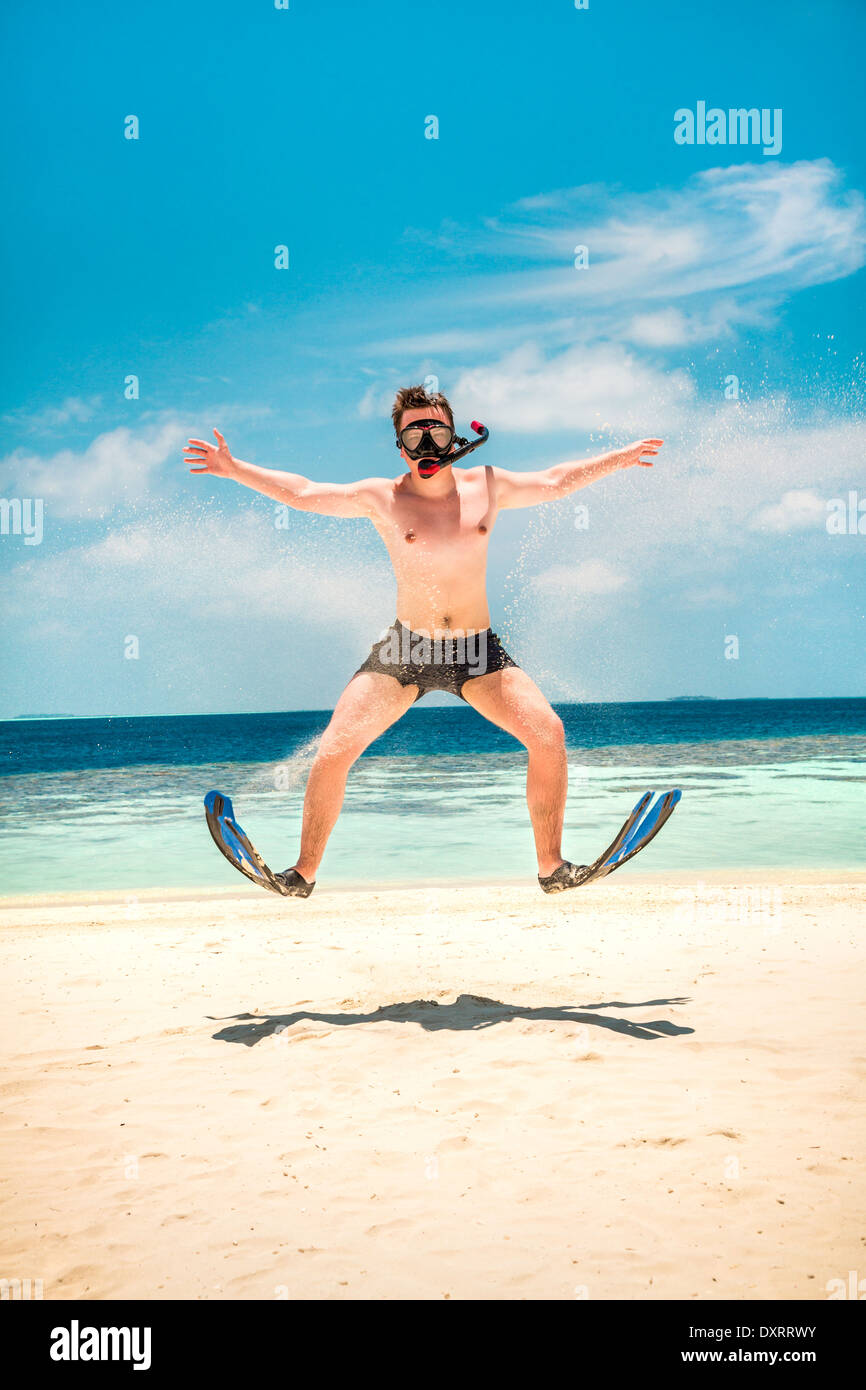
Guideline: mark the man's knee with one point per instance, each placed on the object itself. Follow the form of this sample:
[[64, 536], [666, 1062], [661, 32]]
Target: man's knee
[[364, 712], [340, 747], [543, 730], [345, 740]]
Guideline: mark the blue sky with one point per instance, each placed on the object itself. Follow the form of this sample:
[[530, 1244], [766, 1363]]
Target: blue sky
[[411, 256]]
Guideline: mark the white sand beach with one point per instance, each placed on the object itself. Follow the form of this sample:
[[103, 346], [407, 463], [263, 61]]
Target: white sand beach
[[638, 1090]]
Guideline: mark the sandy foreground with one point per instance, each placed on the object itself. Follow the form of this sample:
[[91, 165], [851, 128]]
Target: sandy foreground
[[644, 1089]]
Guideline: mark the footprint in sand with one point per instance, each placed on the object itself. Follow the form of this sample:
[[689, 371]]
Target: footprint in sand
[[665, 1143]]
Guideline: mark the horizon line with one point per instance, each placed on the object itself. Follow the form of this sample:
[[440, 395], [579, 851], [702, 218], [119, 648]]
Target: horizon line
[[329, 709]]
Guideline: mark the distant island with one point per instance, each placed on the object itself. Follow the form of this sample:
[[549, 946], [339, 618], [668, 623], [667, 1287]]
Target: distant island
[[672, 698], [46, 716]]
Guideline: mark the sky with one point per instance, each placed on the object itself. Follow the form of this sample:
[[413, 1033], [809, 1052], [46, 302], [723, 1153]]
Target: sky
[[720, 307]]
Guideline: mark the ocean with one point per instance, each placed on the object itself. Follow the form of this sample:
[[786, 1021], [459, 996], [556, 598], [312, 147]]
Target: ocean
[[92, 804]]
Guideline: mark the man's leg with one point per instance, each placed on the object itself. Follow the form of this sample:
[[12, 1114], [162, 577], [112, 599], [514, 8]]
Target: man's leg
[[367, 707], [511, 699]]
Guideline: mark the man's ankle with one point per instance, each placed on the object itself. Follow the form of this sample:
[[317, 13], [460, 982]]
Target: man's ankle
[[550, 866]]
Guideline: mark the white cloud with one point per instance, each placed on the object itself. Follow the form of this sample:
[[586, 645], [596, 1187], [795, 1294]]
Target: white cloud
[[660, 328], [799, 510], [240, 570], [119, 466], [579, 389], [588, 577], [752, 453], [114, 470], [376, 401], [229, 612]]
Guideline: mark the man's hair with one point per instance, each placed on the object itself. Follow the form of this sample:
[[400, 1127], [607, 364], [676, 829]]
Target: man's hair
[[413, 398]]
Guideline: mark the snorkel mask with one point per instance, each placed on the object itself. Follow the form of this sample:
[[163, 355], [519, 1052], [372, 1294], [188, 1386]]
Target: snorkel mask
[[429, 444]]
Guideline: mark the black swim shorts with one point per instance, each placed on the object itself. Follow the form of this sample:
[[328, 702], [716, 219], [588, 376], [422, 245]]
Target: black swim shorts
[[436, 661]]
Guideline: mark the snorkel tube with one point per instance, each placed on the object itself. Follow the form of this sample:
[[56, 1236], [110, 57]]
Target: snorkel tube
[[428, 467], [483, 435]]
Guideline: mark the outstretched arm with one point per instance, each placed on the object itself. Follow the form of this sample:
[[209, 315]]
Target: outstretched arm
[[528, 489], [328, 499]]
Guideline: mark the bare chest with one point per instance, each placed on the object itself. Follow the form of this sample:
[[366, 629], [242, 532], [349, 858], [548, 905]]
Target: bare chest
[[461, 522]]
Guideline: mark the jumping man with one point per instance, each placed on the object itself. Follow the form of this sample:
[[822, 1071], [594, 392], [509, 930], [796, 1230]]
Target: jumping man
[[436, 521]]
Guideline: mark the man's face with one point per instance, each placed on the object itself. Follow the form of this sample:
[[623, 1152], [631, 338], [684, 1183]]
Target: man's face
[[426, 412]]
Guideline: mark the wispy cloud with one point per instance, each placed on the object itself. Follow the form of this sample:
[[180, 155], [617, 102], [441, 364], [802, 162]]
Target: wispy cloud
[[72, 411], [537, 345], [714, 596], [741, 231], [666, 268]]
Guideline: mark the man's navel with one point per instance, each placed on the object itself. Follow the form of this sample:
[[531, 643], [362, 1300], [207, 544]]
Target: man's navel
[[410, 536]]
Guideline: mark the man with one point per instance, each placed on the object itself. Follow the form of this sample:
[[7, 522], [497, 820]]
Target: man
[[436, 521]]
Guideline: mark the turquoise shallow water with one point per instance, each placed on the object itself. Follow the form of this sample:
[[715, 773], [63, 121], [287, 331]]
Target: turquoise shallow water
[[767, 802]]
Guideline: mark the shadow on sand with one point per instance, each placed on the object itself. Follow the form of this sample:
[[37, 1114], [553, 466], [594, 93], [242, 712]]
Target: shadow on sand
[[468, 1012]]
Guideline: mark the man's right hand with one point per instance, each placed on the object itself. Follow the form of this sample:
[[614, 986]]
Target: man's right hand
[[363, 498], [216, 459]]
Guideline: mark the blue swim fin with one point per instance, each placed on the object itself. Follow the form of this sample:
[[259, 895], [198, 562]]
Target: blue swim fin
[[231, 841], [638, 837], [626, 831], [642, 825]]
